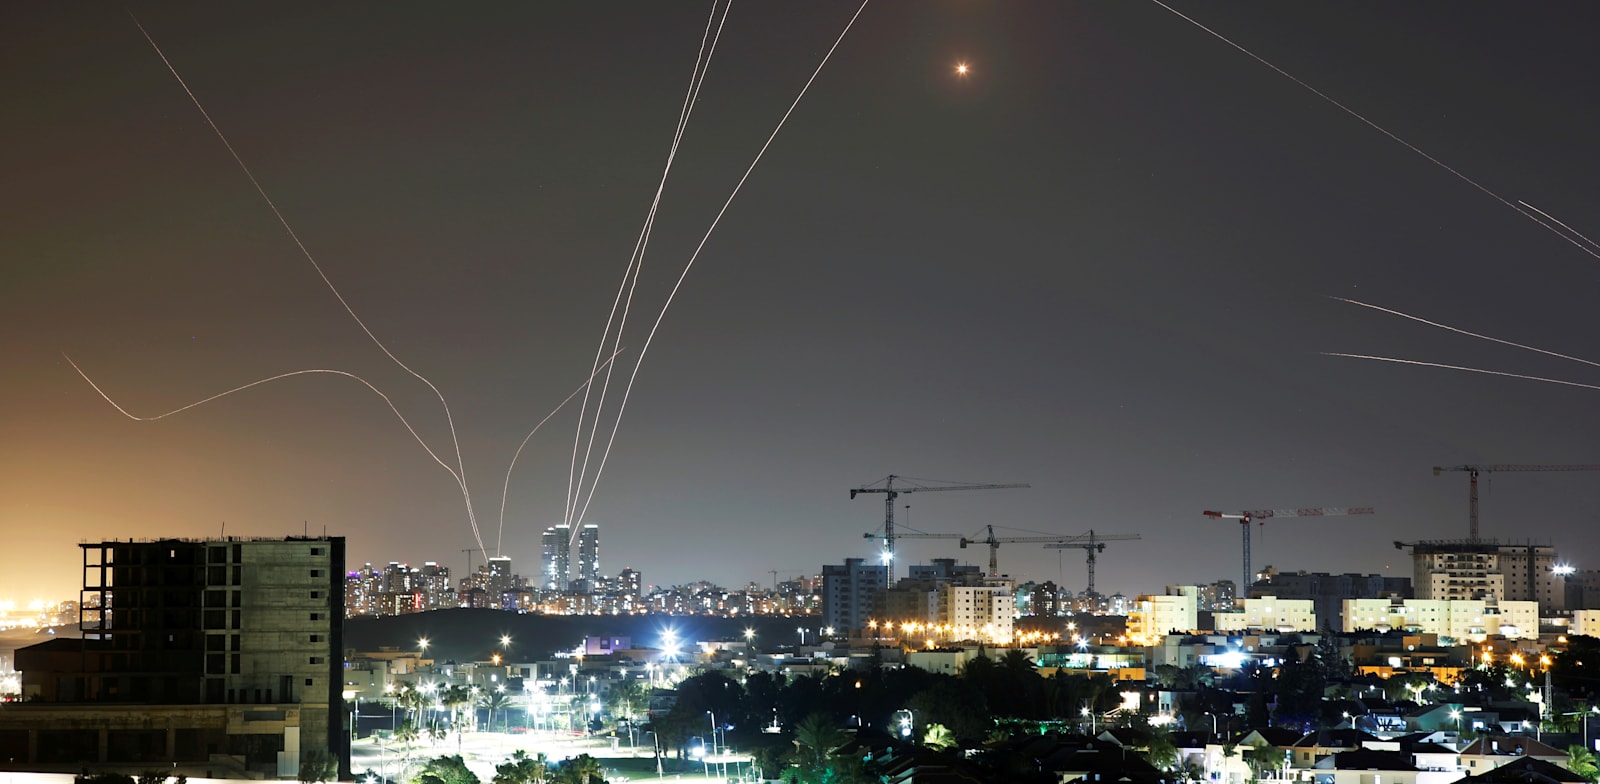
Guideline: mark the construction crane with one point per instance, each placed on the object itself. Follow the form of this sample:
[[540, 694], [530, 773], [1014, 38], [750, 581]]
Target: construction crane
[[994, 542], [891, 492], [1091, 545], [1245, 517], [1472, 485]]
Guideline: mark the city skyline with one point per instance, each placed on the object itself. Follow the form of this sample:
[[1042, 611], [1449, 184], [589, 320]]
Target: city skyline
[[1102, 260]]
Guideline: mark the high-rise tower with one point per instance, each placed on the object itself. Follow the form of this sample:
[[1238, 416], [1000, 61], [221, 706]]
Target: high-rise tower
[[588, 559], [555, 571]]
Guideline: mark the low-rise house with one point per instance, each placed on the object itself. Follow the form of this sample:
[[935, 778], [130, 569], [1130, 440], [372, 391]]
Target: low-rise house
[[1225, 763], [1434, 717], [1365, 766], [1486, 754], [1525, 770], [1314, 746]]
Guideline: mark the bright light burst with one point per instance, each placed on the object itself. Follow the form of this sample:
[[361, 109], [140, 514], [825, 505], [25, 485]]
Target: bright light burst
[[962, 69]]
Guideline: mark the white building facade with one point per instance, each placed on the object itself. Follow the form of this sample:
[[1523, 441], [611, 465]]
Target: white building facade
[[1462, 620]]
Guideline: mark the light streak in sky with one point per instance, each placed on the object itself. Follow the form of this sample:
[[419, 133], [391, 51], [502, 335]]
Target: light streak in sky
[[1380, 129], [621, 306], [1460, 331], [460, 469], [1420, 363], [1575, 232], [630, 276], [506, 490], [125, 412], [627, 391]]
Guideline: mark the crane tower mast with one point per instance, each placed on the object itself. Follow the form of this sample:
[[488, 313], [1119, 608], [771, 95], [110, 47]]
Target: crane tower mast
[[1258, 515], [891, 491]]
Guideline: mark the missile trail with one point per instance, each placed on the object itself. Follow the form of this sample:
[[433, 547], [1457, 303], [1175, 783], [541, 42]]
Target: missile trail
[[628, 390], [460, 471], [1460, 331], [1559, 223], [1380, 129], [506, 490], [1420, 363], [125, 412], [630, 276]]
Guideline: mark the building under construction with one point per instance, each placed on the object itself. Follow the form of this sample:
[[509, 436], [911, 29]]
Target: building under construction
[[1488, 570], [217, 658]]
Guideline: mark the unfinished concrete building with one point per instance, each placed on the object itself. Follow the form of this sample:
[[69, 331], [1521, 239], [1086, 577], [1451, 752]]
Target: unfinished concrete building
[[218, 658]]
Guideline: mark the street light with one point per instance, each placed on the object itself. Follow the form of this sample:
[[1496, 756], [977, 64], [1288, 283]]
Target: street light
[[802, 631], [906, 719]]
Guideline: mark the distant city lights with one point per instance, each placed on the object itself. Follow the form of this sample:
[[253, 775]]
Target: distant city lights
[[36, 614]]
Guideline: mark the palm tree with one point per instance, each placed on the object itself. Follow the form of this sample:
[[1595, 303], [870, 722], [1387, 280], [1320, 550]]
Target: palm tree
[[447, 770], [523, 769], [1162, 752], [407, 734], [457, 699], [939, 738], [1188, 771], [1018, 662], [814, 737], [494, 700], [411, 698], [582, 769], [1582, 762]]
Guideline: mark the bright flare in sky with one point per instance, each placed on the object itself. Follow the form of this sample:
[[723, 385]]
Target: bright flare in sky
[[962, 68]]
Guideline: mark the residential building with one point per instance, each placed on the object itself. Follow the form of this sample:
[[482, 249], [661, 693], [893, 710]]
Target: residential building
[[1365, 766], [217, 658], [630, 583], [1155, 616], [981, 610], [1487, 753], [437, 592], [501, 578], [1583, 589], [847, 593], [1585, 622], [916, 597], [555, 573], [1461, 620], [1219, 595], [1488, 570], [1045, 600], [1267, 613], [587, 579], [1327, 592]]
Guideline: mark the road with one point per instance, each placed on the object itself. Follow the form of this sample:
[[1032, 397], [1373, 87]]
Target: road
[[380, 759]]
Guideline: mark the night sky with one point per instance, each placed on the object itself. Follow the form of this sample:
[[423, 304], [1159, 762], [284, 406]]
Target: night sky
[[1102, 263]]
